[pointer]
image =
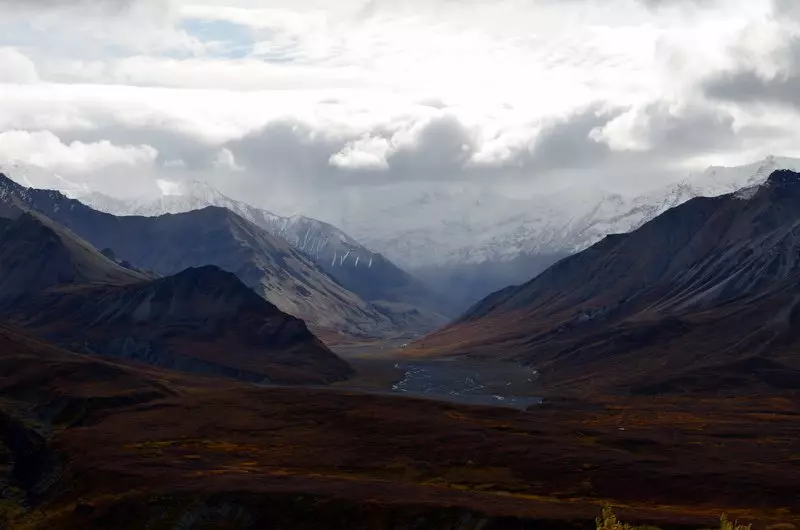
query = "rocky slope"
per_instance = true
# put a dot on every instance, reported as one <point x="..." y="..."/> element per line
<point x="368" y="274"/>
<point x="710" y="286"/>
<point x="217" y="236"/>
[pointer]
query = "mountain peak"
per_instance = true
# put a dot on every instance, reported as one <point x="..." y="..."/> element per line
<point x="784" y="178"/>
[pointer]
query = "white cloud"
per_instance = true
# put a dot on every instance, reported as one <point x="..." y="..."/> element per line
<point x="364" y="153"/>
<point x="45" y="150"/>
<point x="302" y="96"/>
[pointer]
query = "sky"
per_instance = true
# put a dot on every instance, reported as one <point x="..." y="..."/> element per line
<point x="288" y="102"/>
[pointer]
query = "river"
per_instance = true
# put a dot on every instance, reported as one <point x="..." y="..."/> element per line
<point x="469" y="382"/>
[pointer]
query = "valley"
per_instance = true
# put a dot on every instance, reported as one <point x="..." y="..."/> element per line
<point x="654" y="371"/>
<point x="460" y="381"/>
<point x="179" y="447"/>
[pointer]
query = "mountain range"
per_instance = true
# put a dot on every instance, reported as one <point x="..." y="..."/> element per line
<point x="461" y="242"/>
<point x="144" y="371"/>
<point x="474" y="240"/>
<point x="217" y="236"/>
<point x="447" y="224"/>
<point x="705" y="295"/>
<point x="202" y="320"/>
<point x="360" y="270"/>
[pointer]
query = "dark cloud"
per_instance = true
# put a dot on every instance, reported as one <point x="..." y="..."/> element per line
<point x="568" y="144"/>
<point x="441" y="148"/>
<point x="694" y="129"/>
<point x="747" y="85"/>
<point x="786" y="8"/>
<point x="291" y="158"/>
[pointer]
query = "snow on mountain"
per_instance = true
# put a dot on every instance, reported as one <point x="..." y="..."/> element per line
<point x="423" y="225"/>
<point x="316" y="239"/>
<point x="451" y="225"/>
<point x="368" y="274"/>
<point x="36" y="177"/>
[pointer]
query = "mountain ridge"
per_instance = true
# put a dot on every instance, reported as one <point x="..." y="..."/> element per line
<point x="718" y="274"/>
<point x="362" y="271"/>
<point x="202" y="320"/>
<point x="168" y="244"/>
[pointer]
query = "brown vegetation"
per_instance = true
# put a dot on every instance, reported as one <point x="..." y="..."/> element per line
<point x="93" y="442"/>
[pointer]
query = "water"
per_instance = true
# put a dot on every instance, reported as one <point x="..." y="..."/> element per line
<point x="472" y="383"/>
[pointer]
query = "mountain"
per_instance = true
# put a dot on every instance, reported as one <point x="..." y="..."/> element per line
<point x="469" y="239"/>
<point x="36" y="254"/>
<point x="368" y="274"/>
<point x="217" y="236"/>
<point x="444" y="225"/>
<point x="201" y="320"/>
<point x="706" y="295"/>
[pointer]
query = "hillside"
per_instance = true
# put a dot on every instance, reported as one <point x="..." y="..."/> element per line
<point x="703" y="297"/>
<point x="88" y="443"/>
<point x="200" y="320"/>
<point x="35" y="254"/>
<point x="216" y="236"/>
<point x="368" y="274"/>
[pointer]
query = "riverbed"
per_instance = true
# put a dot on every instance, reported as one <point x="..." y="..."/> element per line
<point x="469" y="382"/>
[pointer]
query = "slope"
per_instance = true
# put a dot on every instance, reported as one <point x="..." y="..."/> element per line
<point x="35" y="254"/>
<point x="368" y="274"/>
<point x="217" y="236"/>
<point x="704" y="296"/>
<point x="88" y="443"/>
<point x="202" y="320"/>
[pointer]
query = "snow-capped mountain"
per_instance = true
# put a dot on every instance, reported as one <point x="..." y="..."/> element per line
<point x="367" y="273"/>
<point x="315" y="238"/>
<point x="453" y="226"/>
<point x="36" y="177"/>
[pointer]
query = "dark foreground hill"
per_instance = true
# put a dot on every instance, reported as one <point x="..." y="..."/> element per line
<point x="202" y="320"/>
<point x="704" y="297"/>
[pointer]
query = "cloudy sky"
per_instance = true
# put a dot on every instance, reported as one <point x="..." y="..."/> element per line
<point x="283" y="102"/>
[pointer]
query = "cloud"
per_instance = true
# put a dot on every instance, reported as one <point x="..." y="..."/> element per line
<point x="304" y="97"/>
<point x="16" y="67"/>
<point x="670" y="130"/>
<point x="45" y="150"/>
<point x="107" y="6"/>
<point x="225" y="161"/>
<point x="751" y="84"/>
